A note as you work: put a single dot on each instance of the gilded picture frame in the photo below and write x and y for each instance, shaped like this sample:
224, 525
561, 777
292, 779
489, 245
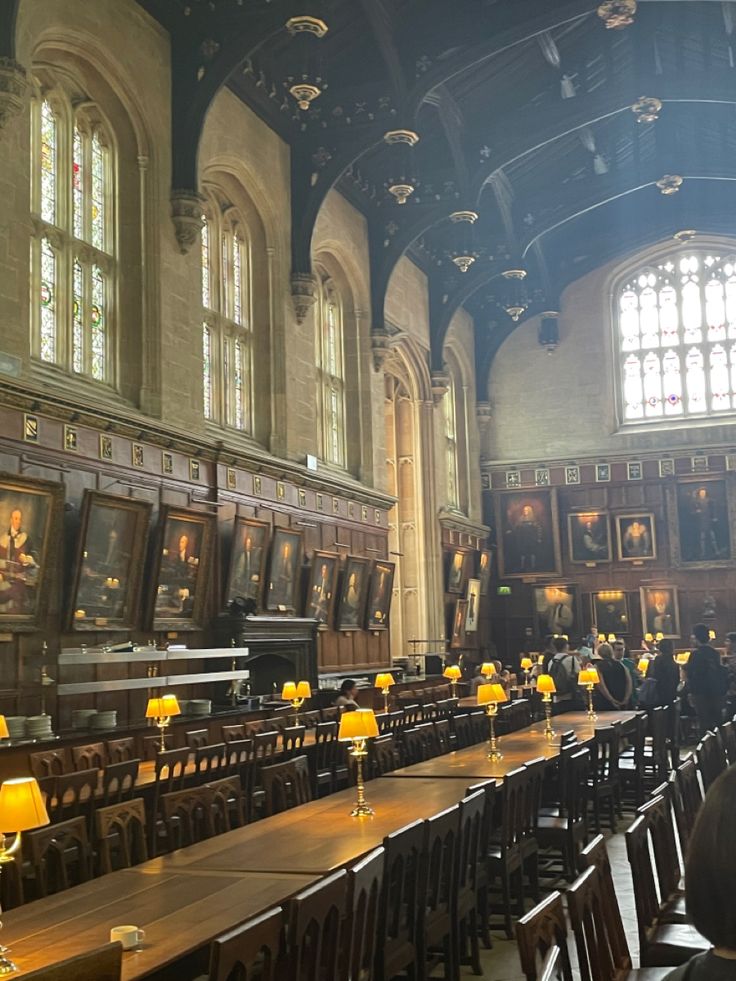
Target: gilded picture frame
589, 537
353, 593
701, 519
322, 587
284, 570
528, 533
182, 568
636, 537
660, 610
380, 593
248, 555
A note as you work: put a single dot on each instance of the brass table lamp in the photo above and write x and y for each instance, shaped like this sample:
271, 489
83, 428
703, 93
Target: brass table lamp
356, 728
162, 709
297, 694
453, 673
546, 686
490, 696
589, 678
384, 682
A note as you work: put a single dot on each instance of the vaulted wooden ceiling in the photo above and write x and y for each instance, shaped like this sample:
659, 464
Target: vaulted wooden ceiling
524, 113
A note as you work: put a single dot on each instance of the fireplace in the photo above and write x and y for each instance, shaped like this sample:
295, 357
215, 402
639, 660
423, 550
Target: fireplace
280, 649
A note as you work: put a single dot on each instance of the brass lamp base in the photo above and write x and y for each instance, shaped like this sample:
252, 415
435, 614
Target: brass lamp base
494, 753
6, 965
362, 810
591, 714
548, 730
362, 807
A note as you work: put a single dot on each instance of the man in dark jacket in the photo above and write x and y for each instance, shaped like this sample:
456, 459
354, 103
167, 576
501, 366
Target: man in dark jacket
706, 680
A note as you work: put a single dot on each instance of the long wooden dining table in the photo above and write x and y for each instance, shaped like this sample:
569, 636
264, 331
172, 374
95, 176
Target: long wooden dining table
185, 899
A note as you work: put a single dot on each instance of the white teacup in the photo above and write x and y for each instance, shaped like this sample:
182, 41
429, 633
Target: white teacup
129, 936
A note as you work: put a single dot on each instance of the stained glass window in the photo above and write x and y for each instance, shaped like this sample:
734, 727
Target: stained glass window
48, 301
331, 374
225, 279
207, 370
78, 319
71, 324
448, 414
48, 163
674, 319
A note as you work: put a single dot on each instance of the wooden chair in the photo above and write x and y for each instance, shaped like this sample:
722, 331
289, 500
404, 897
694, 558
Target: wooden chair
538, 932
310, 719
567, 832
91, 756
286, 785
604, 785
228, 805
196, 738
118, 781
437, 922
315, 917
187, 815
152, 745
170, 771
480, 726
121, 750
59, 855
463, 730
632, 762
467, 930
687, 799
660, 822
399, 947
75, 795
505, 861
442, 736
292, 740
416, 745
711, 759
324, 758
120, 831
727, 736
603, 954
252, 951
239, 763
331, 713
209, 762
484, 845
265, 746
364, 885
382, 755
49, 762
103, 964
660, 945
232, 733
391, 722
551, 969
412, 714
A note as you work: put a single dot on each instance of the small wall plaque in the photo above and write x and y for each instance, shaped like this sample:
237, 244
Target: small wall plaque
30, 428
232, 479
71, 439
194, 469
105, 447
167, 462
602, 472
137, 455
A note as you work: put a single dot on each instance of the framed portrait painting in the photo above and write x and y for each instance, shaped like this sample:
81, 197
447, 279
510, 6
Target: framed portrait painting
284, 570
702, 521
106, 588
473, 598
636, 537
529, 537
182, 568
456, 571
610, 612
660, 610
247, 560
557, 609
30, 525
322, 585
379, 595
353, 594
457, 631
589, 537
484, 570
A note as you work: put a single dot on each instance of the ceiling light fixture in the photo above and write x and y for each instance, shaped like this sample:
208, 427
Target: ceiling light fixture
670, 183
517, 302
647, 109
617, 14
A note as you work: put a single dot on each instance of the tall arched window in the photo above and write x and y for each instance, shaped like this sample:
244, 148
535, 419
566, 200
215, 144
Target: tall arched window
330, 372
73, 246
226, 322
449, 419
677, 338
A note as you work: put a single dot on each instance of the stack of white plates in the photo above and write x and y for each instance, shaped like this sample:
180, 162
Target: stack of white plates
200, 706
104, 720
81, 718
39, 726
16, 727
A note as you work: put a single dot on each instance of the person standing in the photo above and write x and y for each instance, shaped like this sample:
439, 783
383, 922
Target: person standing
613, 692
619, 654
706, 680
666, 673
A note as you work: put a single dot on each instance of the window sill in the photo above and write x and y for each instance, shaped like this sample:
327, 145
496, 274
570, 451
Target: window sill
72, 385
668, 425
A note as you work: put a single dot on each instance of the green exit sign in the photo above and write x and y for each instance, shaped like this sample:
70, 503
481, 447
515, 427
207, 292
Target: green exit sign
504, 590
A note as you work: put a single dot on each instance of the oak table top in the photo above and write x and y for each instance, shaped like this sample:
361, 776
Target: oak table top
320, 836
517, 748
180, 913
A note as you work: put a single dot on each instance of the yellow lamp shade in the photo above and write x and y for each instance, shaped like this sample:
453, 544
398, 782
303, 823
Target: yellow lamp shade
683, 657
360, 724
588, 676
303, 690
648, 638
711, 635
643, 665
4, 734
546, 684
453, 672
163, 707
384, 680
526, 664
288, 692
491, 693
487, 669
659, 635
611, 638
21, 805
